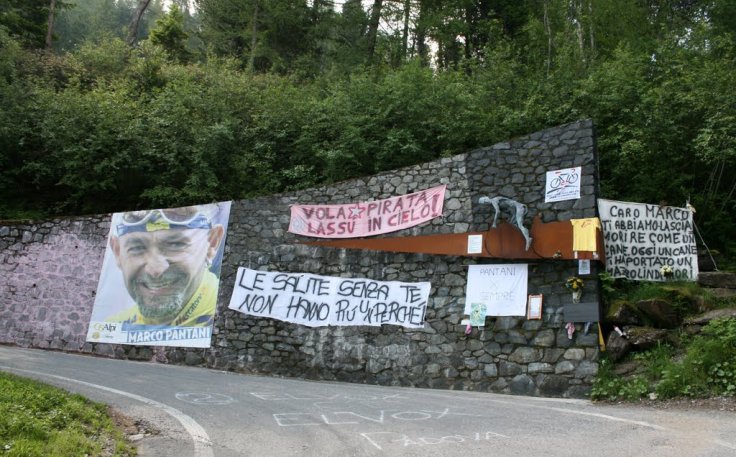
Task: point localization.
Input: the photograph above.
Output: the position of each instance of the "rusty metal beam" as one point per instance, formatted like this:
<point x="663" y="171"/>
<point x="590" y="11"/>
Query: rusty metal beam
<point x="552" y="240"/>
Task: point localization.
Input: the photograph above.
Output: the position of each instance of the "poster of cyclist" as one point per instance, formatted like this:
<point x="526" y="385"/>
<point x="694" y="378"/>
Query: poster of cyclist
<point x="160" y="277"/>
<point x="562" y="185"/>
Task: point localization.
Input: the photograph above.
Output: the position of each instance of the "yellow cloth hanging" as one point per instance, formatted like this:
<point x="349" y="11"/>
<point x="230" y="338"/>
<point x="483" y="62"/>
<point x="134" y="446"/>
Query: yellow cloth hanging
<point x="601" y="341"/>
<point x="584" y="234"/>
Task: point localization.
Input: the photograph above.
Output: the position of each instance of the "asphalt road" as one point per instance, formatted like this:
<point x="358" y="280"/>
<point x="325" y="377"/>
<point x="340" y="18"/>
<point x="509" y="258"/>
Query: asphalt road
<point x="200" y="412"/>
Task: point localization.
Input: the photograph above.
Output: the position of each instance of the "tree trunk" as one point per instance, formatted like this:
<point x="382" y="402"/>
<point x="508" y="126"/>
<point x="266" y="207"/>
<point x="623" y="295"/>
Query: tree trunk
<point x="420" y="35"/>
<point x="470" y="35"/>
<point x="405" y="37"/>
<point x="316" y="11"/>
<point x="253" y="38"/>
<point x="373" y="28"/>
<point x="316" y="18"/>
<point x="579" y="29"/>
<point x="50" y="28"/>
<point x="133" y="28"/>
<point x="548" y="31"/>
<point x="590" y="30"/>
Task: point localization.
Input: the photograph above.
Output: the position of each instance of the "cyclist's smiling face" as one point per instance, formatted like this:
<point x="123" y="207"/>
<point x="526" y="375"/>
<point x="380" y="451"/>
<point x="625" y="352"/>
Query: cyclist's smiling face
<point x="162" y="269"/>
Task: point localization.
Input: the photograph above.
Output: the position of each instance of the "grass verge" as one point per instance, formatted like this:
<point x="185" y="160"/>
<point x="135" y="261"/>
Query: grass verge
<point x="41" y="420"/>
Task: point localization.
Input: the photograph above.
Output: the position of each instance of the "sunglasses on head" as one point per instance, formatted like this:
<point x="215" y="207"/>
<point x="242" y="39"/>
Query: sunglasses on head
<point x="178" y="216"/>
<point x="188" y="217"/>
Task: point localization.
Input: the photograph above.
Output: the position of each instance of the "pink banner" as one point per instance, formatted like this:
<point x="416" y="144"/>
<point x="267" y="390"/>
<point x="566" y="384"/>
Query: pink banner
<point x="366" y="219"/>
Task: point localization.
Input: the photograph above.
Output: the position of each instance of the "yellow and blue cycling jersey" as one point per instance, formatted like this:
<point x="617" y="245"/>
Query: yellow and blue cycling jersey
<point x="199" y="311"/>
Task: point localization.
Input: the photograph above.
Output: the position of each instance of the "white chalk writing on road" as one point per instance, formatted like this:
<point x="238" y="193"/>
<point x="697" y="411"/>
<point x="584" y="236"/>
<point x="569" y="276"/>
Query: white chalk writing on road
<point x="295" y="419"/>
<point x="381" y="439"/>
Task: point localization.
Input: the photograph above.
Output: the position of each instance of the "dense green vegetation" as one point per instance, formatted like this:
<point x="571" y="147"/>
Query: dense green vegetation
<point x="684" y="363"/>
<point x="40" y="420"/>
<point x="239" y="98"/>
<point x="697" y="366"/>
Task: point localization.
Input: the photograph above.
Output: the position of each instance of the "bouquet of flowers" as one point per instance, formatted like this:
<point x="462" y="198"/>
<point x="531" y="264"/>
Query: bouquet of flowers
<point x="666" y="271"/>
<point x="574" y="283"/>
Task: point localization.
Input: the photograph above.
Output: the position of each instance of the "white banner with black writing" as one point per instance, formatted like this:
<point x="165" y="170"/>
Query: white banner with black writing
<point x="313" y="300"/>
<point x="501" y="288"/>
<point x="648" y="242"/>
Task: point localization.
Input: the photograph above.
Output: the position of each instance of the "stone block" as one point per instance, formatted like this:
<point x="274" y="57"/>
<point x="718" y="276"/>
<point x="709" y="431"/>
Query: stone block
<point x="432" y="369"/>
<point x="574" y="354"/>
<point x="522" y="385"/>
<point x="585" y="369"/>
<point x="545" y="338"/>
<point x="193" y="358"/>
<point x="490" y="370"/>
<point x="540" y="367"/>
<point x="565" y="366"/>
<point x="517" y="337"/>
<point x="552" y="355"/>
<point x="525" y="355"/>
<point x="553" y="385"/>
<point x="104" y="349"/>
<point x="717" y="279"/>
<point x="493" y="348"/>
<point x="508" y="369"/>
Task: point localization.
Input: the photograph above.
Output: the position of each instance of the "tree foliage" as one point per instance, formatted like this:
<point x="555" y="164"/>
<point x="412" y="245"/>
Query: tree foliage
<point x="96" y="20"/>
<point x="247" y="97"/>
<point x="25" y="20"/>
<point x="169" y="33"/>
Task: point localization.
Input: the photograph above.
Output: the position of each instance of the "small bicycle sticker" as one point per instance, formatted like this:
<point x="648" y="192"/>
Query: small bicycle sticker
<point x="563" y="180"/>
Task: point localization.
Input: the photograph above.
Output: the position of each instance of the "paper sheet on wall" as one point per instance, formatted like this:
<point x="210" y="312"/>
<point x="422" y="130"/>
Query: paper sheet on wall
<point x="475" y="244"/>
<point x="478" y="313"/>
<point x="562" y="185"/>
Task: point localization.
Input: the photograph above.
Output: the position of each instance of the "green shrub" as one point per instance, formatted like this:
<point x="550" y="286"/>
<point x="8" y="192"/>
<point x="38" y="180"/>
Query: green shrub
<point x="683" y="379"/>
<point x="656" y="360"/>
<point x="723" y="378"/>
<point x="609" y="387"/>
<point x="708" y="367"/>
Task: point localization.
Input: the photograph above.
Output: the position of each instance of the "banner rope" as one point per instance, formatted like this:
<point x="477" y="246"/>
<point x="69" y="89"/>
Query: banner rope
<point x="697" y="230"/>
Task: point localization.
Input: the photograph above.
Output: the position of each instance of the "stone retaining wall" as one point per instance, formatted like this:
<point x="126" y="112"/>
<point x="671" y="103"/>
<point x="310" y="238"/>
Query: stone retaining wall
<point x="50" y="271"/>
